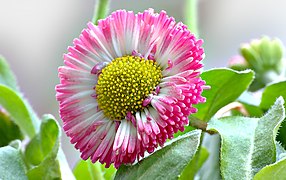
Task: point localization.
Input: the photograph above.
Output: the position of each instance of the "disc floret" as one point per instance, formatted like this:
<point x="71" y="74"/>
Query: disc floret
<point x="124" y="83"/>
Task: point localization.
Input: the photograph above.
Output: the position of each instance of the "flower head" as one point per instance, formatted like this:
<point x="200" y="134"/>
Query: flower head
<point x="128" y="85"/>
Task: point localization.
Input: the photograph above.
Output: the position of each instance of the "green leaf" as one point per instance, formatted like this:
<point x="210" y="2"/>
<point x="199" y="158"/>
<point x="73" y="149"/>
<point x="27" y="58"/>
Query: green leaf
<point x="49" y="168"/>
<point x="42" y="151"/>
<point x="226" y="87"/>
<point x="271" y="93"/>
<point x="195" y="164"/>
<point x="8" y="129"/>
<point x="6" y="75"/>
<point x="7" y="78"/>
<point x="166" y="163"/>
<point x="248" y="144"/>
<point x="43" y="154"/>
<point x="86" y="170"/>
<point x="14" y="104"/>
<point x="43" y="143"/>
<point x="274" y="171"/>
<point x="12" y="165"/>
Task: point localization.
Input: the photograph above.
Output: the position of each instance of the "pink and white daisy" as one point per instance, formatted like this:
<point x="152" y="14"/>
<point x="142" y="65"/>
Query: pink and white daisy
<point x="128" y="85"/>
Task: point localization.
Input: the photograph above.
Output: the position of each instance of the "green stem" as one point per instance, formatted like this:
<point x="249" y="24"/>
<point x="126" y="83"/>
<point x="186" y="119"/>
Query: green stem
<point x="191" y="16"/>
<point x="100" y="10"/>
<point x="199" y="124"/>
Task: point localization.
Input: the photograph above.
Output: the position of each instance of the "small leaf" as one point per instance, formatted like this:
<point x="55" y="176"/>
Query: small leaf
<point x="274" y="171"/>
<point x="42" y="151"/>
<point x="43" y="143"/>
<point x="86" y="170"/>
<point x="166" y="163"/>
<point x="248" y="144"/>
<point x="8" y="129"/>
<point x="6" y="75"/>
<point x="12" y="165"/>
<point x="226" y="87"/>
<point x="14" y="104"/>
<point x="49" y="133"/>
<point x="49" y="168"/>
<point x="43" y="154"/>
<point x="271" y="93"/>
<point x="195" y="164"/>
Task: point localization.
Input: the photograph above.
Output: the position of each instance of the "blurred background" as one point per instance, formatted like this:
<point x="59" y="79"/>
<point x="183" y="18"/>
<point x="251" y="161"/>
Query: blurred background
<point x="34" y="34"/>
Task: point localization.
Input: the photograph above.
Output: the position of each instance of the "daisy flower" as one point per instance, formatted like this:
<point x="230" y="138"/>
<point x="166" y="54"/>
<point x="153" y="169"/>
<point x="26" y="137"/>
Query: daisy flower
<point x="128" y="85"/>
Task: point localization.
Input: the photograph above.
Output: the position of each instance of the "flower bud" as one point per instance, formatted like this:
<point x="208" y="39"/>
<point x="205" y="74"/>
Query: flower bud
<point x="265" y="57"/>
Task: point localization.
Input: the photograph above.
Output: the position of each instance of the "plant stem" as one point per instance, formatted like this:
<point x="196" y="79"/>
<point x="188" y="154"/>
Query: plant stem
<point x="100" y="10"/>
<point x="191" y="16"/>
<point x="199" y="124"/>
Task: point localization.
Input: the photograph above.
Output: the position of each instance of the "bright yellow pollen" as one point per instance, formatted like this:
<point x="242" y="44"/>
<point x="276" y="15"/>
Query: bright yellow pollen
<point x="124" y="84"/>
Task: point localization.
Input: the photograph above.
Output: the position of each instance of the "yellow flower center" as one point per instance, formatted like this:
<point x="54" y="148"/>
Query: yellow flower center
<point x="124" y="83"/>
